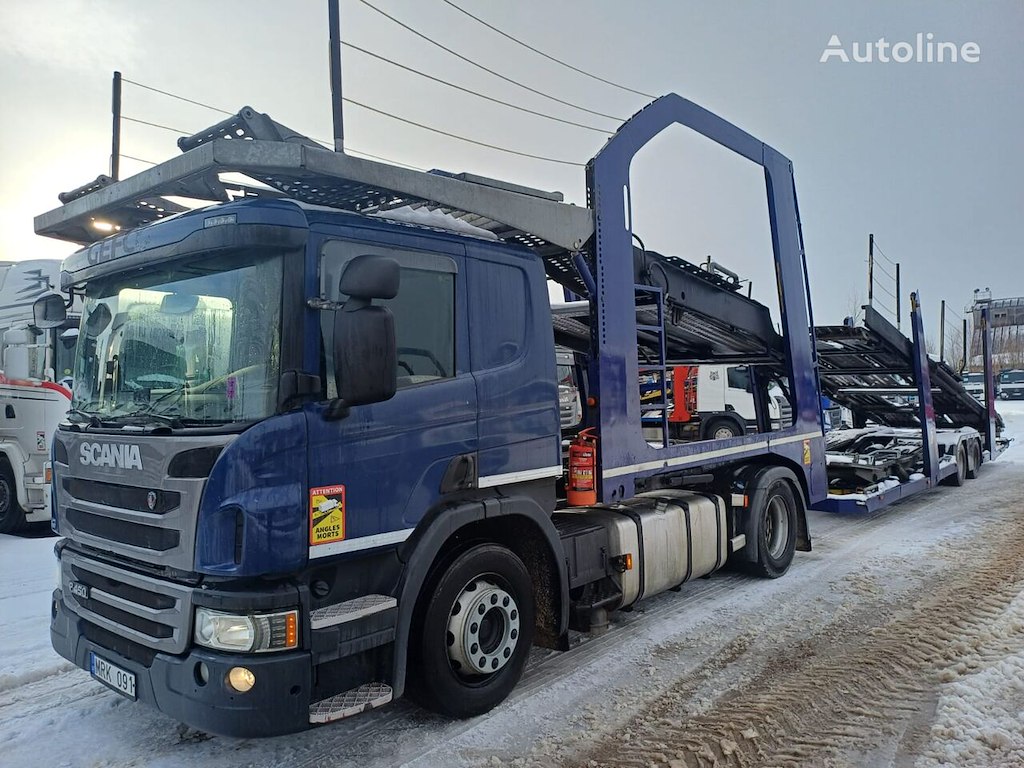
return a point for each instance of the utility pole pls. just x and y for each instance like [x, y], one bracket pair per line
[334, 19]
[871, 268]
[942, 332]
[115, 141]
[898, 296]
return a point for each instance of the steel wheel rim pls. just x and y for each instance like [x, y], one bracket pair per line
[776, 526]
[723, 433]
[483, 629]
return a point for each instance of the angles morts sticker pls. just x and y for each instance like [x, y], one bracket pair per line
[326, 514]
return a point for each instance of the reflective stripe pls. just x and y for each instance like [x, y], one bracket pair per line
[489, 481]
[695, 458]
[362, 542]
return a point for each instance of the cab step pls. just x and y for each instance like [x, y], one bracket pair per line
[362, 699]
[350, 610]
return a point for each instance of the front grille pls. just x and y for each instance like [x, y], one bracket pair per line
[126, 619]
[122, 590]
[119, 645]
[124, 532]
[123, 496]
[150, 612]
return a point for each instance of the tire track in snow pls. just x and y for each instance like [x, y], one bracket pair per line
[825, 696]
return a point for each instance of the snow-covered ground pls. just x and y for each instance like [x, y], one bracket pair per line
[898, 641]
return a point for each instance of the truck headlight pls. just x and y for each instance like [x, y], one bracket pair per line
[247, 633]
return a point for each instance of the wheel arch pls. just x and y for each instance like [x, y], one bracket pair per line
[516, 522]
[12, 457]
[765, 472]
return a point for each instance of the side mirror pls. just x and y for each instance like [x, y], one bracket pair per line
[49, 311]
[178, 304]
[365, 351]
[365, 355]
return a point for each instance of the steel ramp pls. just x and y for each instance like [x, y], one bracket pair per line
[869, 369]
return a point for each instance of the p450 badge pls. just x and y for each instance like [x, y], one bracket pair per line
[79, 590]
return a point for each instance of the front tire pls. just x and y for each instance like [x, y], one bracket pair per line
[12, 516]
[474, 633]
[721, 429]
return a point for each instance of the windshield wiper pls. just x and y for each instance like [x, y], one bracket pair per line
[137, 417]
[89, 419]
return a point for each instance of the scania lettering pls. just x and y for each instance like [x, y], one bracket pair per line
[108, 455]
[314, 460]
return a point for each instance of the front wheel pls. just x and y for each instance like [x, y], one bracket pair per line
[474, 633]
[722, 429]
[12, 516]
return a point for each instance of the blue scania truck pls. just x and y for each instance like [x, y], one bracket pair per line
[314, 459]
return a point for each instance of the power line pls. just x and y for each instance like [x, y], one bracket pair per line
[485, 69]
[884, 271]
[393, 117]
[882, 287]
[155, 125]
[546, 55]
[463, 138]
[881, 253]
[175, 96]
[475, 93]
[225, 112]
[876, 302]
[138, 159]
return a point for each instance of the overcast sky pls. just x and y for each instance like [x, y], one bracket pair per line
[926, 156]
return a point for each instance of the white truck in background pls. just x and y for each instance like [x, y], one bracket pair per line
[35, 389]
[716, 402]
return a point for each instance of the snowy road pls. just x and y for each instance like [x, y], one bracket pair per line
[898, 641]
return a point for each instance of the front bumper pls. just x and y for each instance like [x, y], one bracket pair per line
[277, 704]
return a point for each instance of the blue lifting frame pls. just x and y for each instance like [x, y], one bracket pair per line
[625, 457]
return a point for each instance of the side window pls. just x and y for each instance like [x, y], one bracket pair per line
[424, 311]
[500, 293]
[739, 377]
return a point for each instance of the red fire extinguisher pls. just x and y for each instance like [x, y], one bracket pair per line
[582, 487]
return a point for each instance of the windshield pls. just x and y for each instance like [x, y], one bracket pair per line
[974, 378]
[189, 343]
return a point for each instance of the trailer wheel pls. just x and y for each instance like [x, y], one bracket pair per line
[957, 478]
[774, 525]
[12, 516]
[974, 465]
[474, 633]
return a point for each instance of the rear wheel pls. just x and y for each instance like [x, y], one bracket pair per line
[474, 633]
[957, 478]
[774, 508]
[12, 516]
[974, 465]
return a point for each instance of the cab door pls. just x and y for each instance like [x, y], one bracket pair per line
[391, 457]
